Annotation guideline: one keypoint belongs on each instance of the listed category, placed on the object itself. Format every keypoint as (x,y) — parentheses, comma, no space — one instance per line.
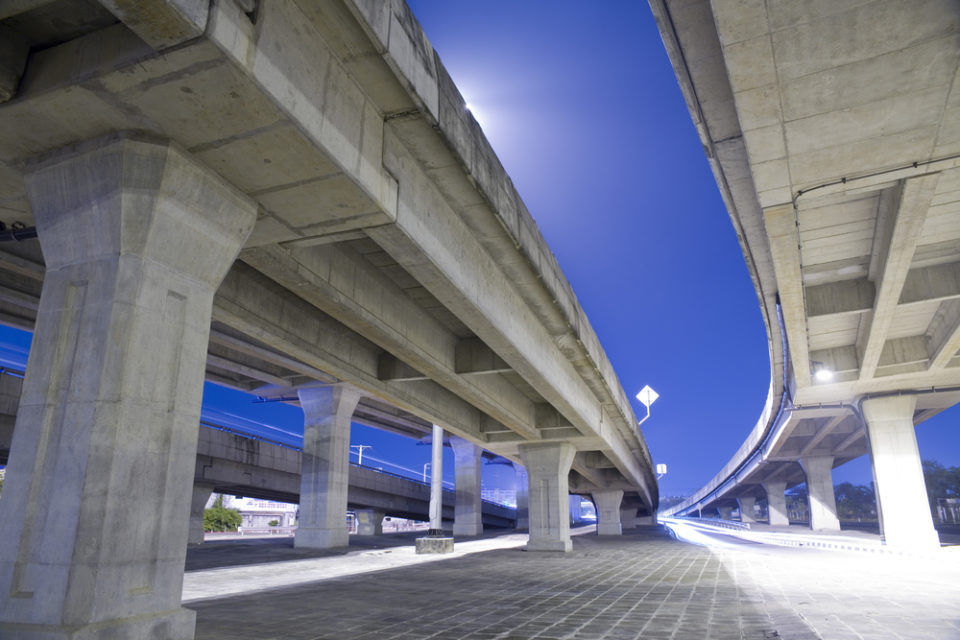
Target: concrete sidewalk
(642,585)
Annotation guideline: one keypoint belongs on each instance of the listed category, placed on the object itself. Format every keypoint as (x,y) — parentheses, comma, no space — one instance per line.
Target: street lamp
(360,448)
(821,372)
(425,467)
(661,470)
(647,396)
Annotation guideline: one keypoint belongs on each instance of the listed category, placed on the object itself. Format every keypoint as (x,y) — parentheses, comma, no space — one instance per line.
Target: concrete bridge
(288,197)
(835,142)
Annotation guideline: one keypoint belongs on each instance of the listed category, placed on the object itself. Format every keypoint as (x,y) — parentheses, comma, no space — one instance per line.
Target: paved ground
(644,585)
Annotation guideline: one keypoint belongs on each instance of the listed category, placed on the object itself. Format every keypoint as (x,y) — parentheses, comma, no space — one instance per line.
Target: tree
(855,502)
(942,482)
(274,523)
(219,518)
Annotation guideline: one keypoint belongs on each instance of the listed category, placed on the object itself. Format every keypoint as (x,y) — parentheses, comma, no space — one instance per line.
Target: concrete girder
(344,285)
(784,239)
(248,303)
(895,251)
(822,433)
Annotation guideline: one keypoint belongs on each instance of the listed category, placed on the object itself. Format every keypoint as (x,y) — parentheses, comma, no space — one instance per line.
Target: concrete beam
(472,356)
(244,369)
(14,50)
(784,240)
(896,253)
(944,335)
(343,284)
(249,303)
(822,433)
(392,369)
(268,355)
(835,298)
(161,23)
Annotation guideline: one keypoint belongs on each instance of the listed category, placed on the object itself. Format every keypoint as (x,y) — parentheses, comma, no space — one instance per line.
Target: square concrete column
(548,468)
(746,508)
(902,504)
(725,513)
(198,505)
(136,237)
(523,498)
(325,466)
(776,503)
(823,501)
(467,514)
(628,517)
(607,505)
(369,522)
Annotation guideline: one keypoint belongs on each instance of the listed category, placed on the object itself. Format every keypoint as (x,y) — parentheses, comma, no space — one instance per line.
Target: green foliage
(942,482)
(797,503)
(274,523)
(855,502)
(219,518)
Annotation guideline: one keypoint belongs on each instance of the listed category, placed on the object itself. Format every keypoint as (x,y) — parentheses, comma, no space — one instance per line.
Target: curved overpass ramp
(833,131)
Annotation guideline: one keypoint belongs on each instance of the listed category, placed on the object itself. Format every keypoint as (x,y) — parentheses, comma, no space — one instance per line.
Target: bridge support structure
(325,465)
(628,517)
(776,503)
(523,497)
(369,522)
(198,504)
(137,236)
(905,518)
(823,501)
(746,508)
(725,513)
(548,465)
(467,518)
(607,504)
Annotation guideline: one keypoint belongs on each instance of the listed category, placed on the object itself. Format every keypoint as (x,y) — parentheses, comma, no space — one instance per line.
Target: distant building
(258,514)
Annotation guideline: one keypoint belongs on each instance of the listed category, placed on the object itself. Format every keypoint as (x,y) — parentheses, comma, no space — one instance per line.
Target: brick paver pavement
(643,585)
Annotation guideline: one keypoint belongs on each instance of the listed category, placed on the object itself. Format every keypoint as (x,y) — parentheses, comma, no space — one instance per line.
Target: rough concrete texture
(607,505)
(324,475)
(905,518)
(523,497)
(137,236)
(198,503)
(468,518)
(747,504)
(823,502)
(777,503)
(434,545)
(548,467)
(369,522)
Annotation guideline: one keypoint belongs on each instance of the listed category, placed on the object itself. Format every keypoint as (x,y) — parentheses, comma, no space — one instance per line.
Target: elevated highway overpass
(290,198)
(833,131)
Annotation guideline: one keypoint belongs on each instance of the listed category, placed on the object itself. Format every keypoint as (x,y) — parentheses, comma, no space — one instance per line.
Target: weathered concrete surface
(548,465)
(137,237)
(838,158)
(468,520)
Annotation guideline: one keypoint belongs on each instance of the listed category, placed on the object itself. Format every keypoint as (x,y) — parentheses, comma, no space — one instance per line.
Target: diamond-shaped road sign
(647,396)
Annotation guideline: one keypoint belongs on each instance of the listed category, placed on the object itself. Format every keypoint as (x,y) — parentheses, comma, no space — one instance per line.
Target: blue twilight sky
(582,106)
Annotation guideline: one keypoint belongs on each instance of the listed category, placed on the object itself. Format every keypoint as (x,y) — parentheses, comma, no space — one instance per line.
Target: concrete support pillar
(902,503)
(628,517)
(325,466)
(607,504)
(95,513)
(746,508)
(725,513)
(198,504)
(776,503)
(523,499)
(548,467)
(369,522)
(436,483)
(823,501)
(646,520)
(468,517)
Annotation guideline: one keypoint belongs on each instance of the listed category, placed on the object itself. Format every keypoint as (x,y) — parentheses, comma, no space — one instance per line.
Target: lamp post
(425,467)
(647,397)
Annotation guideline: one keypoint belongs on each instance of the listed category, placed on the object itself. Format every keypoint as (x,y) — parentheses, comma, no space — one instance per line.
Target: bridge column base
(902,502)
(467,515)
(607,504)
(725,513)
(777,503)
(628,517)
(823,502)
(746,508)
(198,504)
(523,499)
(325,466)
(548,467)
(137,237)
(369,522)
(178,624)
